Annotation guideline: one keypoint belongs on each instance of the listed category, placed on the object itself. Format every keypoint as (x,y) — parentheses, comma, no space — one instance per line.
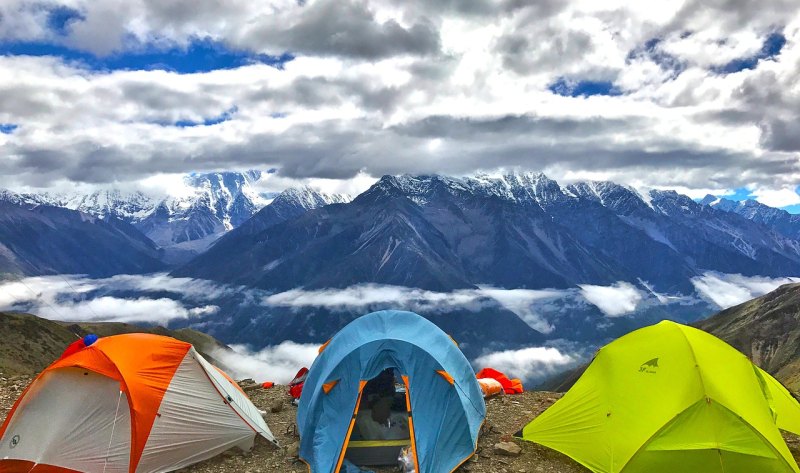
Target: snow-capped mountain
(520,230)
(212,205)
(782,221)
(130,208)
(288,205)
(184,224)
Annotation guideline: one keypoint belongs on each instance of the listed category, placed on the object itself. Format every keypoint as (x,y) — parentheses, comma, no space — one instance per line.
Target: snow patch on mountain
(191,218)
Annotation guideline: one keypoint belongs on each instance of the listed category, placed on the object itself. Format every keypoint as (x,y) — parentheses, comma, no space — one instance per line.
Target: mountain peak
(710,200)
(309,198)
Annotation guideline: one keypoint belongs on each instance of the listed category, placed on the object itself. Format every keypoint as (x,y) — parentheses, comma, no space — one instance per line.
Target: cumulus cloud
(529,364)
(385,87)
(777,197)
(620,299)
(727,290)
(278,363)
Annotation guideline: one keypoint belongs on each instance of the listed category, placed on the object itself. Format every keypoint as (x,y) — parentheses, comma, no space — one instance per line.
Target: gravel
(505,416)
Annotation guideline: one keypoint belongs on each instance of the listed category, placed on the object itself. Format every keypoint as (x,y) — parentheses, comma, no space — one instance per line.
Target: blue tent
(446,402)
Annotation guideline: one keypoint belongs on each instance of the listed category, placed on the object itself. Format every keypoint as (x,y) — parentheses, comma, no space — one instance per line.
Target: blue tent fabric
(447,417)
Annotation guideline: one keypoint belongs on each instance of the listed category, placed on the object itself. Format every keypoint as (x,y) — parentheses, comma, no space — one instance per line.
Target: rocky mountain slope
(512,231)
(52,240)
(767,330)
(30,343)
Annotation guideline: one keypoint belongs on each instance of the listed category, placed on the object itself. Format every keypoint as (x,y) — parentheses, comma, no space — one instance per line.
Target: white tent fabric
(240,403)
(194,422)
(74,419)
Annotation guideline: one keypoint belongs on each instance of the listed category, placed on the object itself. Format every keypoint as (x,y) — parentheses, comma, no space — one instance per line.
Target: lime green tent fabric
(670,398)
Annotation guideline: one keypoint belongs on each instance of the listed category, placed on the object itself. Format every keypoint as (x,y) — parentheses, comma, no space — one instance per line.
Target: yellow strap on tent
(444,374)
(379,443)
(361,385)
(329,385)
(411,424)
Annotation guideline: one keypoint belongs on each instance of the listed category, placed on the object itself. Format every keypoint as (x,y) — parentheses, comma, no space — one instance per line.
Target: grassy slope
(30,343)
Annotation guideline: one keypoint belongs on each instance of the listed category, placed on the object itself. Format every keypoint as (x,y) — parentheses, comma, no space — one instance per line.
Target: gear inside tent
(390,380)
(669,398)
(133,403)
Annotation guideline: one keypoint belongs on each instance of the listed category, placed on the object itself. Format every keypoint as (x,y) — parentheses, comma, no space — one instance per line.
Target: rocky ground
(505,415)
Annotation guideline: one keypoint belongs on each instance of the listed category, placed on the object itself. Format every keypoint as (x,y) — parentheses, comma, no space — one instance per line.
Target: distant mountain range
(54,240)
(780,220)
(173,229)
(439,233)
(519,230)
(206,207)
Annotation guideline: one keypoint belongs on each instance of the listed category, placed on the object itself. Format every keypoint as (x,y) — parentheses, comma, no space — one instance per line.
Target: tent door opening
(382,423)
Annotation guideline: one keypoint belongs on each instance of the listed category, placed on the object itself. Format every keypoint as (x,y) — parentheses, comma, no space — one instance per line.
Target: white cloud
(529,364)
(365,297)
(523,303)
(777,197)
(115,309)
(620,299)
(728,290)
(277,363)
(78,298)
(338,111)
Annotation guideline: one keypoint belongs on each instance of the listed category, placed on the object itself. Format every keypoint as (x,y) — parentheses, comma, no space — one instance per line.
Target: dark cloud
(477,129)
(781,135)
(731,15)
(346,28)
(530,49)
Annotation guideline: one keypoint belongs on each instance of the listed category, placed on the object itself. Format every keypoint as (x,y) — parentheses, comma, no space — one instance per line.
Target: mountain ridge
(518,230)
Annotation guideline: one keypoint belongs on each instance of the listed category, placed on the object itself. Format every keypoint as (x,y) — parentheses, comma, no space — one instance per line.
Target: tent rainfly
(134,403)
(443,400)
(669,398)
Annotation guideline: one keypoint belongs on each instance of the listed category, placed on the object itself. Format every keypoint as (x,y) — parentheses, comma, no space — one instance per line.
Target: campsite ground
(506,415)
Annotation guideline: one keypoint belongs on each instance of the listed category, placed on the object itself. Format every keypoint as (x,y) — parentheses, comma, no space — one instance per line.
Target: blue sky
(198,56)
(694,97)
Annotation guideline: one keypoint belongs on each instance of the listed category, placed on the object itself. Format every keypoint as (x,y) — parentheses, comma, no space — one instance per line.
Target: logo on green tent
(649,367)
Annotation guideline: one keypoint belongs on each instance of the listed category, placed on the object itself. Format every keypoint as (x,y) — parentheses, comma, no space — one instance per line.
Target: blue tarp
(446,417)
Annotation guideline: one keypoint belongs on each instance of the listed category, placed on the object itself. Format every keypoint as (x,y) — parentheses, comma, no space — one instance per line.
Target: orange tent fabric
(510,386)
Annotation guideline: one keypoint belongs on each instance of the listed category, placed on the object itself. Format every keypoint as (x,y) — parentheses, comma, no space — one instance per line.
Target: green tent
(670,398)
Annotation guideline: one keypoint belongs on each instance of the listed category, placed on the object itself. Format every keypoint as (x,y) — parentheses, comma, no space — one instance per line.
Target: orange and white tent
(134,403)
